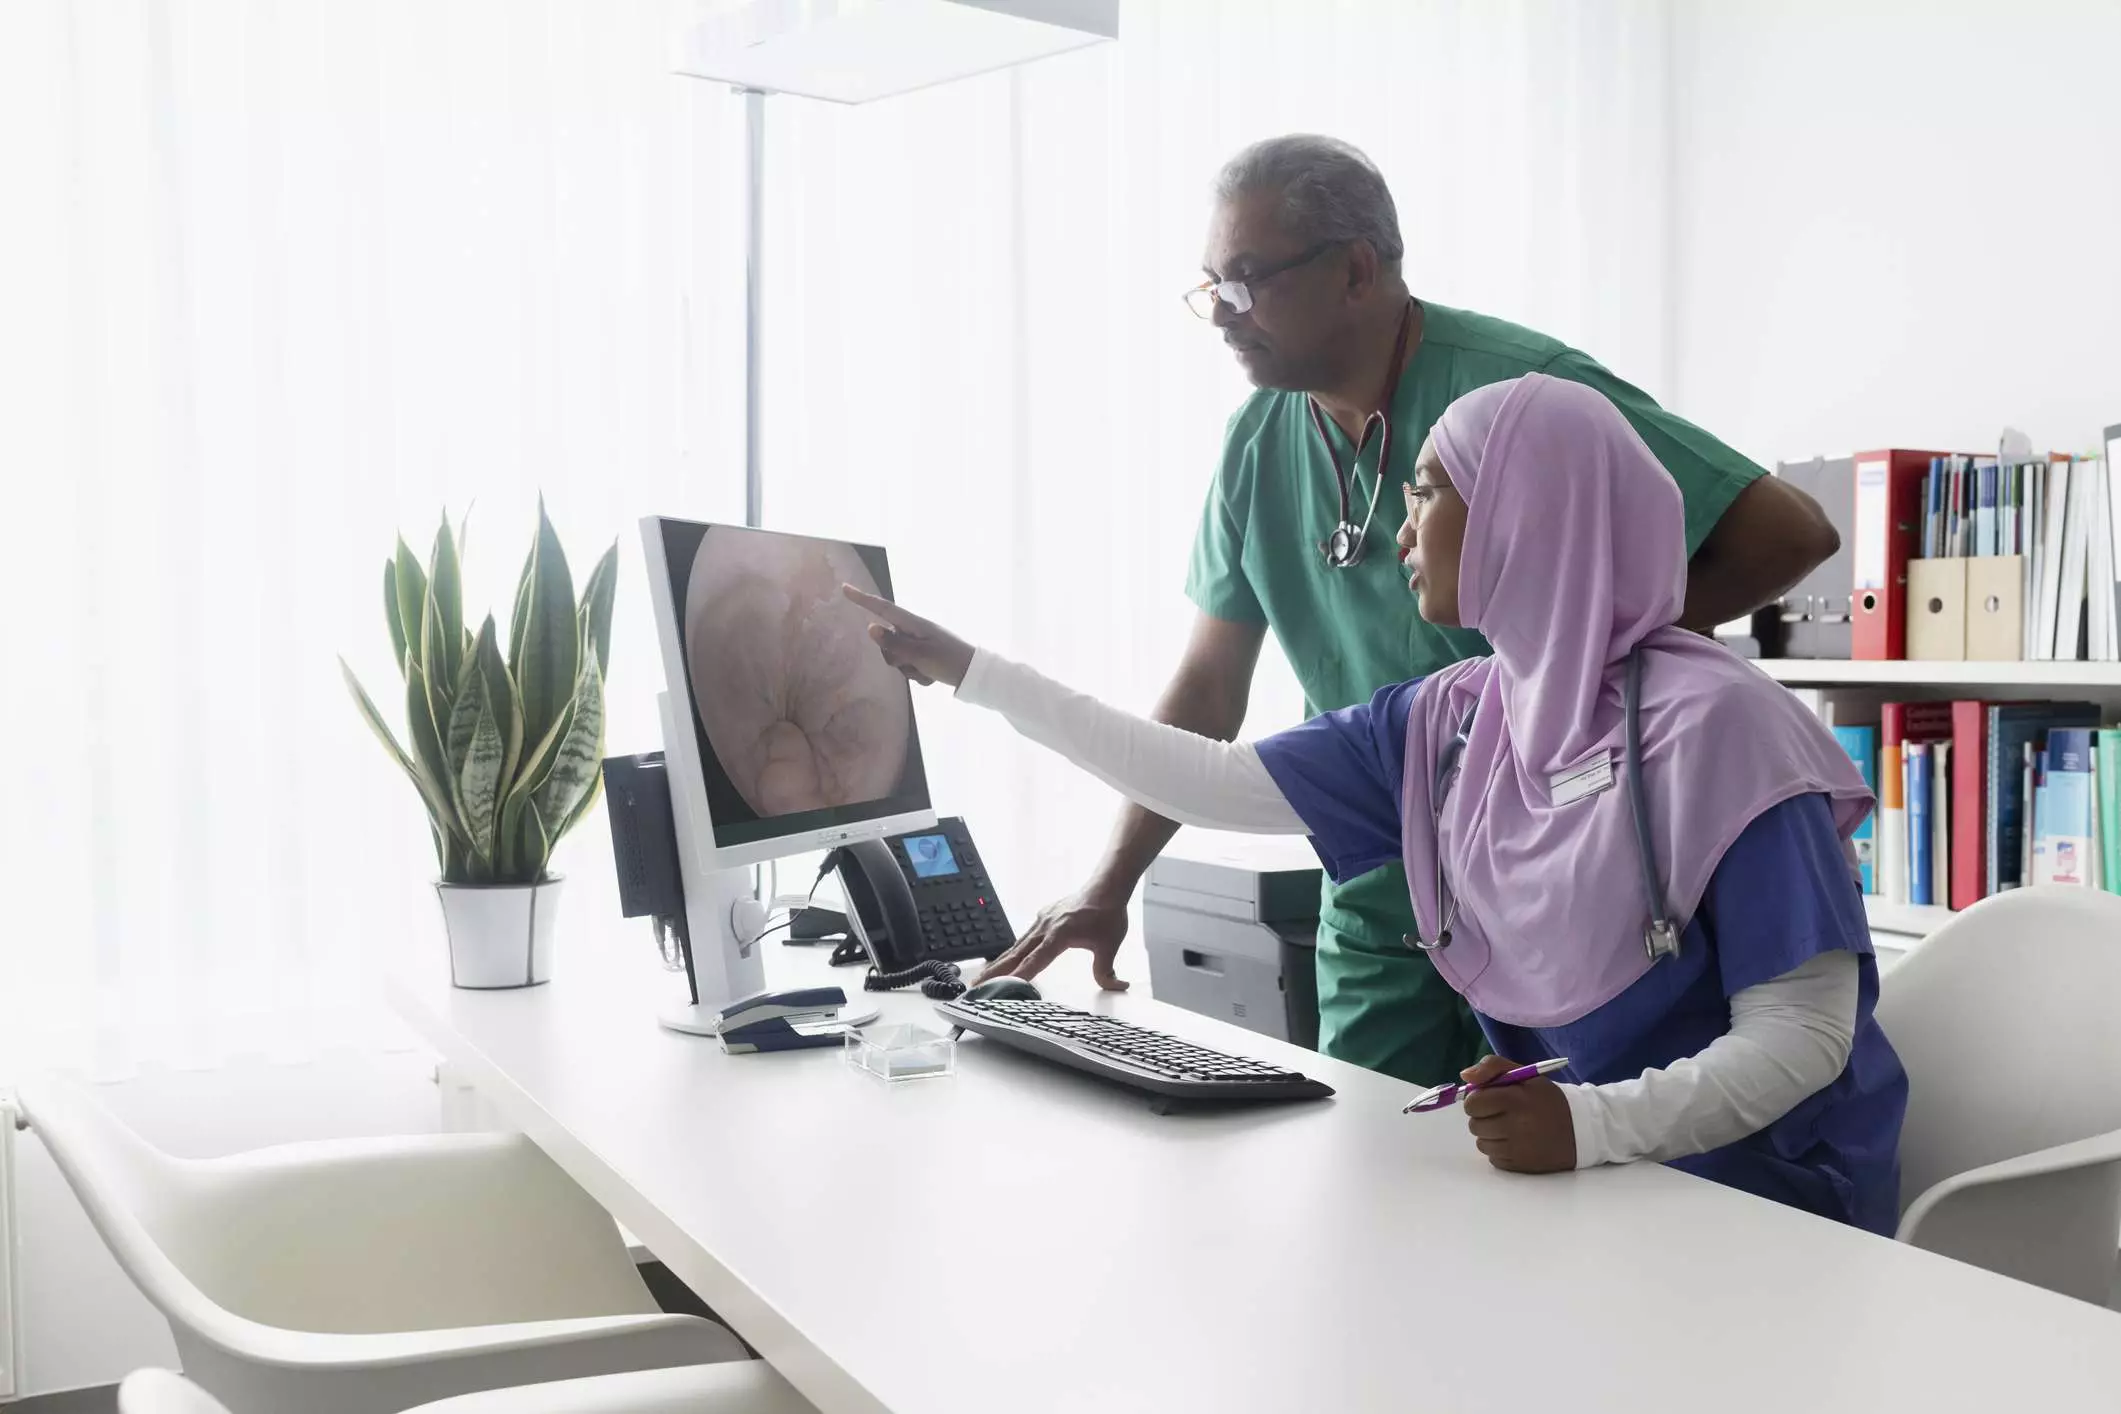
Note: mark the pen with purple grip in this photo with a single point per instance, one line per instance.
(1443, 1096)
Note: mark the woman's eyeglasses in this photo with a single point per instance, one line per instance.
(1421, 496)
(1237, 294)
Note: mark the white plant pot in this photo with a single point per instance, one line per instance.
(500, 935)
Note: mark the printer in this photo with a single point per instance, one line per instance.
(1231, 926)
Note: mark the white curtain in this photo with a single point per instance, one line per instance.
(283, 277)
(280, 278)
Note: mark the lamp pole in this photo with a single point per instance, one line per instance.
(759, 47)
(754, 300)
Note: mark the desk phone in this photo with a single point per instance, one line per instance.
(923, 896)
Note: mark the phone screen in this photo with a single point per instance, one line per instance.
(931, 856)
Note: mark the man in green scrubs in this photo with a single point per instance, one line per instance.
(1304, 282)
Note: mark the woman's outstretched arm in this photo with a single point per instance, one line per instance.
(1194, 780)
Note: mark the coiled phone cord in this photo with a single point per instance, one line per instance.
(940, 981)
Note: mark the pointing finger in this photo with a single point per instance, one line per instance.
(883, 608)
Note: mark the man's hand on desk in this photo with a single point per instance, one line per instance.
(1079, 921)
(926, 652)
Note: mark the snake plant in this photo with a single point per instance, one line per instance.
(504, 749)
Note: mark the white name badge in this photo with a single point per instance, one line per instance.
(1587, 778)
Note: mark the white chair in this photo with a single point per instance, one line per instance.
(2008, 1019)
(160, 1392)
(747, 1384)
(368, 1276)
(751, 1385)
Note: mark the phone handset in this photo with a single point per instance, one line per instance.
(885, 924)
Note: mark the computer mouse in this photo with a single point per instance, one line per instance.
(1002, 989)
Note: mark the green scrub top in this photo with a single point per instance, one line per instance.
(1348, 632)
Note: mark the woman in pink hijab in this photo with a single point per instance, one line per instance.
(1715, 1008)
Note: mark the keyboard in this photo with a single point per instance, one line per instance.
(1132, 1055)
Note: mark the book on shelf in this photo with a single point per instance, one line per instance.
(2014, 730)
(1861, 743)
(1890, 520)
(2075, 547)
(1920, 833)
(2027, 773)
(2007, 557)
(2054, 480)
(1902, 724)
(1976, 797)
(1889, 841)
(2063, 799)
(2096, 870)
(2101, 642)
(2109, 780)
(1970, 795)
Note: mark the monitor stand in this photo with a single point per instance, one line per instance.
(724, 954)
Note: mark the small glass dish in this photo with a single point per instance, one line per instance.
(901, 1052)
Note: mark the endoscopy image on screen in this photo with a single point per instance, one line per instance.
(802, 724)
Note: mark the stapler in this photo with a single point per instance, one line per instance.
(787, 1021)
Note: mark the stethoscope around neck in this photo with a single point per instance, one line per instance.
(1661, 937)
(1343, 549)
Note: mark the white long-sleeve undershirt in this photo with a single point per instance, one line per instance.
(1182, 776)
(1789, 1037)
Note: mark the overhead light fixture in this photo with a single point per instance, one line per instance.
(856, 51)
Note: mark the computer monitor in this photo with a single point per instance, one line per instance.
(784, 730)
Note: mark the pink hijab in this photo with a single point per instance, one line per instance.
(1574, 555)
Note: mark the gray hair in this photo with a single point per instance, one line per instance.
(1329, 190)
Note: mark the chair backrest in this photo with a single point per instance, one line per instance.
(160, 1392)
(133, 1192)
(341, 1237)
(2008, 1019)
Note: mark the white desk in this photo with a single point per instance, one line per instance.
(1019, 1239)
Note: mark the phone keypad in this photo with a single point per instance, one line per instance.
(956, 924)
(960, 915)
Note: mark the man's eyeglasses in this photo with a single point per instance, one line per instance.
(1237, 294)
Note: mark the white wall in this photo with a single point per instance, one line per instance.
(1898, 224)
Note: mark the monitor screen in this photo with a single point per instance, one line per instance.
(930, 856)
(802, 725)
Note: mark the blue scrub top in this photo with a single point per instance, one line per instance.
(1781, 895)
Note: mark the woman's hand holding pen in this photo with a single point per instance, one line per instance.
(925, 652)
(1523, 1128)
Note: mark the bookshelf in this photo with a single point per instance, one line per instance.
(1826, 682)
(1957, 676)
(1986, 555)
